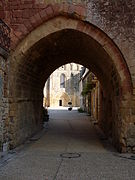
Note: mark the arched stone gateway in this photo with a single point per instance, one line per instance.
(56, 42)
(45, 36)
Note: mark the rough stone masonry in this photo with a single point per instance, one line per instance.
(107, 26)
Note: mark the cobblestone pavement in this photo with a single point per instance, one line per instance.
(68, 132)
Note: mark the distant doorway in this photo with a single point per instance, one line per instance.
(60, 102)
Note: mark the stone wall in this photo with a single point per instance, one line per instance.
(25, 104)
(4, 106)
(110, 24)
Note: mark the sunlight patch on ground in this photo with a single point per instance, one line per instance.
(62, 108)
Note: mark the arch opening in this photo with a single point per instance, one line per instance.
(62, 87)
(38, 55)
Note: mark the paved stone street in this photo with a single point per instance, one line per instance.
(74, 133)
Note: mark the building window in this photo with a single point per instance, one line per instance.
(62, 81)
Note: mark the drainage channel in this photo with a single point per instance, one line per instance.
(70, 155)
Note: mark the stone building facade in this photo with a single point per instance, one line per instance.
(94, 102)
(100, 35)
(88, 87)
(91, 95)
(84, 104)
(63, 86)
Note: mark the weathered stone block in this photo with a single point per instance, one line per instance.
(131, 135)
(49, 11)
(36, 20)
(43, 14)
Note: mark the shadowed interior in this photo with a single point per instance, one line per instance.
(42, 59)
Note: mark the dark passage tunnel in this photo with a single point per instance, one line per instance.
(32, 69)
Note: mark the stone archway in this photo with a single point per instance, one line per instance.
(56, 42)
